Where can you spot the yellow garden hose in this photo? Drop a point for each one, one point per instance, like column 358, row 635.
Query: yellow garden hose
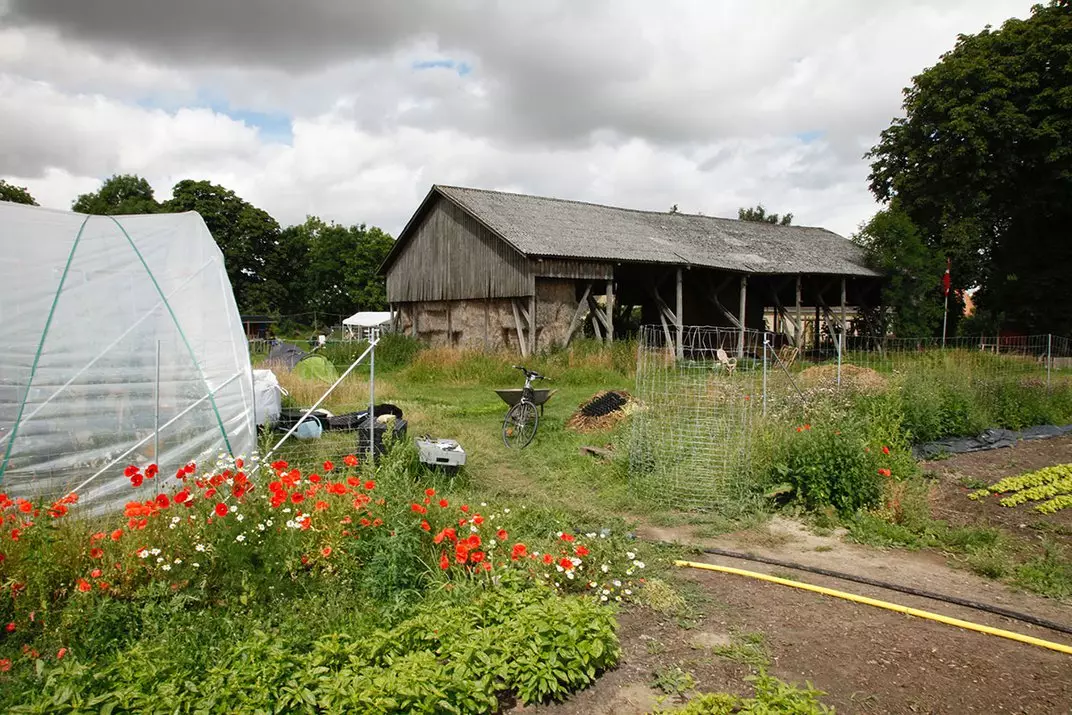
column 1059, row 647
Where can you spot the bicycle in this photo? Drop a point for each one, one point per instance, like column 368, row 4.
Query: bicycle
column 522, row 419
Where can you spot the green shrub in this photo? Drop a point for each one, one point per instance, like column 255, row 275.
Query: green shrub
column 827, row 465
column 772, row 697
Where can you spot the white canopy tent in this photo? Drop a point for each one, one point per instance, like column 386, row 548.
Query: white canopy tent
column 122, row 345
column 362, row 324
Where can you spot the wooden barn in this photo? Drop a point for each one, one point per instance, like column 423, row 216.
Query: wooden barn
column 489, row 269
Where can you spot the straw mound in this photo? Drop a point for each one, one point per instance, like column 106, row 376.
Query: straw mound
column 602, row 411
column 859, row 378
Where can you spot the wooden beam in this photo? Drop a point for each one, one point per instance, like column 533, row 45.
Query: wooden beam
column 593, row 307
column 680, row 319
column 520, row 333
column 578, row 316
column 532, row 323
column 742, row 319
column 798, row 329
column 844, row 328
column 593, row 313
column 610, row 311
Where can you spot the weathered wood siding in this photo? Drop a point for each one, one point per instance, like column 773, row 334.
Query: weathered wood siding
column 451, row 256
column 565, row 268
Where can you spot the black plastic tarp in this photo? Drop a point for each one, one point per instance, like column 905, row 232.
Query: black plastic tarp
column 285, row 354
column 990, row 439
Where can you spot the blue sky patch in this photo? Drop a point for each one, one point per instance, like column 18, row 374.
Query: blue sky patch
column 810, row 136
column 462, row 68
column 273, row 127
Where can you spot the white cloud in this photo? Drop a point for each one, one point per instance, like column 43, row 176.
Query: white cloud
column 707, row 105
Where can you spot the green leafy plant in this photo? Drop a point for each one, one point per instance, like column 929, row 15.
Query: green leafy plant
column 673, row 680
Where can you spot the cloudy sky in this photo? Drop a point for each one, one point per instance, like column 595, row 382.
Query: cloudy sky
column 351, row 109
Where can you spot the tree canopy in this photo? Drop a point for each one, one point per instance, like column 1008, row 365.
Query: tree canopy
column 981, row 163
column 759, row 214
column 121, row 194
column 313, row 269
column 15, row 194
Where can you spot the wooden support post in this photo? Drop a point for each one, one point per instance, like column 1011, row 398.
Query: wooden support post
column 680, row 320
column 741, row 318
column 610, row 311
column 844, row 328
column 450, row 327
column 521, row 344
column 578, row 316
column 593, row 313
column 413, row 325
column 532, row 323
column 818, row 335
column 798, row 329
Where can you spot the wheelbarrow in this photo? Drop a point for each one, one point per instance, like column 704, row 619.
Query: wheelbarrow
column 512, row 396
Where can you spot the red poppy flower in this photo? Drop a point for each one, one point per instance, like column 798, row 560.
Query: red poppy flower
column 321, row 505
column 884, row 472
column 518, row 551
column 136, row 480
column 239, row 463
column 465, row 508
column 238, row 491
column 581, row 550
column 25, row 507
column 209, row 493
column 279, row 465
column 350, row 460
column 487, row 566
column 377, row 522
column 425, row 525
column 60, row 653
column 96, row 553
column 130, row 471
column 370, row 484
column 57, row 510
column 221, row 509
column 117, row 535
column 15, row 533
column 84, row 585
column 427, row 501
column 336, row 488
column 478, row 520
column 297, row 497
column 444, row 562
column 315, row 478
column 162, row 501
column 304, row 559
column 328, row 466
column 476, row 557
column 10, row 627
column 151, row 471
column 443, row 503
column 418, row 508
column 565, row 563
column 885, row 449
column 103, row 585
column 353, row 481
column 567, row 537
column 5, row 665
column 306, row 523
column 429, row 492
column 548, row 559
column 325, row 552
column 190, row 468
column 95, row 573
column 182, row 496
column 461, row 554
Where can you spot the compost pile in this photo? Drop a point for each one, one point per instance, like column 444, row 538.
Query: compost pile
column 863, row 379
column 601, row 412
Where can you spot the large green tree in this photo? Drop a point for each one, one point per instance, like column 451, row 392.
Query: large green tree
column 758, row 214
column 341, row 268
column 121, row 194
column 982, row 165
column 912, row 293
column 246, row 234
column 16, row 194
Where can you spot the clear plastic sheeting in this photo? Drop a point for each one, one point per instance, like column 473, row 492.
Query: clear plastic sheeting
column 121, row 344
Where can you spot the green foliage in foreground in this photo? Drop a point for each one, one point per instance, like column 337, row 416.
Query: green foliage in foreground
column 1050, row 486
column 455, row 652
column 772, row 697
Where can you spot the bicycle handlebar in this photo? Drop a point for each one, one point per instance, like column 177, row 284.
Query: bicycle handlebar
column 531, row 373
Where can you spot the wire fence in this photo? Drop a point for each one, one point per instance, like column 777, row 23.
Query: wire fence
column 711, row 401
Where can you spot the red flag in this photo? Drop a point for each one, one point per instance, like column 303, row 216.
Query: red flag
column 945, row 277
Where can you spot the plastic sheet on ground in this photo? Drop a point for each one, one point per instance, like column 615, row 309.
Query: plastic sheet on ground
column 990, row 439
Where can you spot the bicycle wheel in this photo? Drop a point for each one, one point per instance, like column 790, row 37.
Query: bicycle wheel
column 520, row 424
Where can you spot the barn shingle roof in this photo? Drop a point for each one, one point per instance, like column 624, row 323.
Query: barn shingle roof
column 538, row 226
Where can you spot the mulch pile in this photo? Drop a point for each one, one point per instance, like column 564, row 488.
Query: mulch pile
column 601, row 412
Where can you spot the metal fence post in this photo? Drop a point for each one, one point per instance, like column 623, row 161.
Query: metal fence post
column 156, row 413
column 1049, row 359
column 372, row 403
column 766, row 342
column 840, row 350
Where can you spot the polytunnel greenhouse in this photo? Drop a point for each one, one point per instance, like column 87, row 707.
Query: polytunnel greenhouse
column 121, row 344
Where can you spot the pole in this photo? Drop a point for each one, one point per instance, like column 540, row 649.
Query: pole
column 840, row 343
column 1049, row 359
column 766, row 342
column 680, row 307
column 372, row 402
column 945, row 318
column 156, row 413
column 740, row 315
